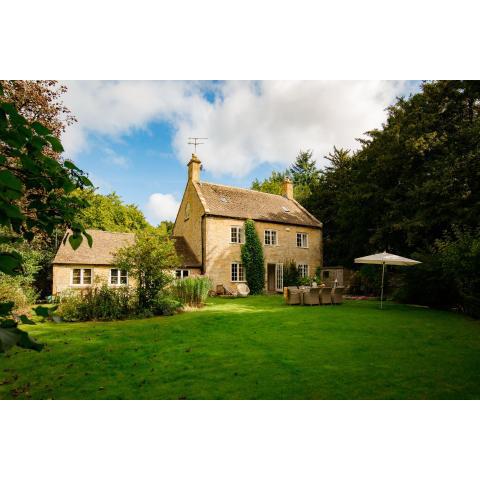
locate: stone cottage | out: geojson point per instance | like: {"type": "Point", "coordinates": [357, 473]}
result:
{"type": "Point", "coordinates": [211, 217]}
{"type": "Point", "coordinates": [86, 267]}
{"type": "Point", "coordinates": [208, 235]}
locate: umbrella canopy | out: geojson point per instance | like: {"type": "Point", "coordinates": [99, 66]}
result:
{"type": "Point", "coordinates": [383, 259]}
{"type": "Point", "coordinates": [387, 259]}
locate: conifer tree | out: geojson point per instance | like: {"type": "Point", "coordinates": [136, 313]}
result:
{"type": "Point", "coordinates": [252, 259]}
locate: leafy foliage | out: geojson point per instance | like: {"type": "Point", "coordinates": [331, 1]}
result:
{"type": "Point", "coordinates": [100, 303]}
{"type": "Point", "coordinates": [34, 194]}
{"type": "Point", "coordinates": [149, 260]}
{"type": "Point", "coordinates": [291, 276]}
{"type": "Point", "coordinates": [252, 259]}
{"type": "Point", "coordinates": [109, 213]}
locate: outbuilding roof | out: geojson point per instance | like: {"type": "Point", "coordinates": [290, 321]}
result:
{"type": "Point", "coordinates": [235, 202]}
{"type": "Point", "coordinates": [105, 244]}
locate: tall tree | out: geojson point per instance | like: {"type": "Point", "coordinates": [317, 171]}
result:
{"type": "Point", "coordinates": [253, 259]}
{"type": "Point", "coordinates": [34, 190]}
{"type": "Point", "coordinates": [109, 213]}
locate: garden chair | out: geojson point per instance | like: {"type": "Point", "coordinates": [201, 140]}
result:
{"type": "Point", "coordinates": [326, 296]}
{"type": "Point", "coordinates": [243, 290]}
{"type": "Point", "coordinates": [294, 296]}
{"type": "Point", "coordinates": [311, 296]}
{"type": "Point", "coordinates": [337, 295]}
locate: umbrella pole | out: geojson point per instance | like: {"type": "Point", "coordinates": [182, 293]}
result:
{"type": "Point", "coordinates": [381, 293]}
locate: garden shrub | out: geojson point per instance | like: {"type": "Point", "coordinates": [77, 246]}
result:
{"type": "Point", "coordinates": [252, 259]}
{"type": "Point", "coordinates": [191, 291]}
{"type": "Point", "coordinates": [291, 277]}
{"type": "Point", "coordinates": [166, 305]}
{"type": "Point", "coordinates": [448, 275]}
{"type": "Point", "coordinates": [101, 303]}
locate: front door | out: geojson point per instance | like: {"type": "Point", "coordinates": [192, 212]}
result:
{"type": "Point", "coordinates": [271, 286]}
{"type": "Point", "coordinates": [279, 277]}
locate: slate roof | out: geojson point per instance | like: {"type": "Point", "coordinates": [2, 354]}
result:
{"type": "Point", "coordinates": [101, 253]}
{"type": "Point", "coordinates": [106, 243]}
{"type": "Point", "coordinates": [234, 202]}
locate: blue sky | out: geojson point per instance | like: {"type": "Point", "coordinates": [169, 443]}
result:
{"type": "Point", "coordinates": [132, 137]}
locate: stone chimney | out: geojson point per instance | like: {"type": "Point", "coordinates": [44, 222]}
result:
{"type": "Point", "coordinates": [287, 188]}
{"type": "Point", "coordinates": [194, 166]}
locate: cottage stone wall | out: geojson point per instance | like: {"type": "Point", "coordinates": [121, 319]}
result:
{"type": "Point", "coordinates": [62, 277]}
{"type": "Point", "coordinates": [190, 228]}
{"type": "Point", "coordinates": [220, 253]}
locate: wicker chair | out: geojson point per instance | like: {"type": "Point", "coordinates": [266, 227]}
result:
{"type": "Point", "coordinates": [294, 296]}
{"type": "Point", "coordinates": [326, 296]}
{"type": "Point", "coordinates": [337, 295]}
{"type": "Point", "coordinates": [311, 297]}
{"type": "Point", "coordinates": [243, 290]}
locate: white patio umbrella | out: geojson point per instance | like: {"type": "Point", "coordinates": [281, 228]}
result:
{"type": "Point", "coordinates": [386, 259]}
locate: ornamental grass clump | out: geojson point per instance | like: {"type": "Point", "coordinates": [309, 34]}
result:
{"type": "Point", "coordinates": [191, 291]}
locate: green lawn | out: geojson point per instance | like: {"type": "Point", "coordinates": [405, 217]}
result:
{"type": "Point", "coordinates": [254, 348]}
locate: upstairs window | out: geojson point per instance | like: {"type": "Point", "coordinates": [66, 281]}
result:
{"type": "Point", "coordinates": [270, 237]}
{"type": "Point", "coordinates": [238, 274]}
{"type": "Point", "coordinates": [236, 235]}
{"type": "Point", "coordinates": [118, 277]}
{"type": "Point", "coordinates": [302, 270]}
{"type": "Point", "coordinates": [82, 276]}
{"type": "Point", "coordinates": [302, 240]}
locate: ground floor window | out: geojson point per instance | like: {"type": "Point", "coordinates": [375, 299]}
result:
{"type": "Point", "coordinates": [81, 276]}
{"type": "Point", "coordinates": [118, 277]}
{"type": "Point", "coordinates": [181, 273]}
{"type": "Point", "coordinates": [303, 270]}
{"type": "Point", "coordinates": [238, 274]}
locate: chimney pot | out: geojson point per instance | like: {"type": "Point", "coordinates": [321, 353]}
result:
{"type": "Point", "coordinates": [194, 166]}
{"type": "Point", "coordinates": [287, 189]}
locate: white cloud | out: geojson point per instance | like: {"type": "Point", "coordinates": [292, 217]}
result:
{"type": "Point", "coordinates": [249, 122]}
{"type": "Point", "coordinates": [161, 206]}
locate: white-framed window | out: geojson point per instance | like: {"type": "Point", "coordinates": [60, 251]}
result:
{"type": "Point", "coordinates": [182, 273]}
{"type": "Point", "coordinates": [302, 270]}
{"type": "Point", "coordinates": [236, 234]}
{"type": "Point", "coordinates": [270, 237]}
{"type": "Point", "coordinates": [81, 276]}
{"type": "Point", "coordinates": [118, 277]}
{"type": "Point", "coordinates": [302, 240]}
{"type": "Point", "coordinates": [238, 273]}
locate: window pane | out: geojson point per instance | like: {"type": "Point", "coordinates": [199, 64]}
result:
{"type": "Point", "coordinates": [123, 277]}
{"type": "Point", "coordinates": [87, 276]}
{"type": "Point", "coordinates": [114, 276]}
{"type": "Point", "coordinates": [274, 237]}
{"type": "Point", "coordinates": [240, 235]}
{"type": "Point", "coordinates": [234, 234]}
{"type": "Point", "coordinates": [234, 272]}
{"type": "Point", "coordinates": [178, 273]}
{"type": "Point", "coordinates": [76, 276]}
{"type": "Point", "coordinates": [241, 275]}
{"type": "Point", "coordinates": [185, 273]}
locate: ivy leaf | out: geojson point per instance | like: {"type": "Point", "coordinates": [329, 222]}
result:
{"type": "Point", "coordinates": [10, 262]}
{"type": "Point", "coordinates": [55, 143]}
{"type": "Point", "coordinates": [75, 240]}
{"type": "Point", "coordinates": [40, 129]}
{"type": "Point", "coordinates": [26, 321]}
{"type": "Point", "coordinates": [89, 239]}
{"type": "Point", "coordinates": [9, 180]}
{"type": "Point", "coordinates": [5, 308]}
{"type": "Point", "coordinates": [41, 311]}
